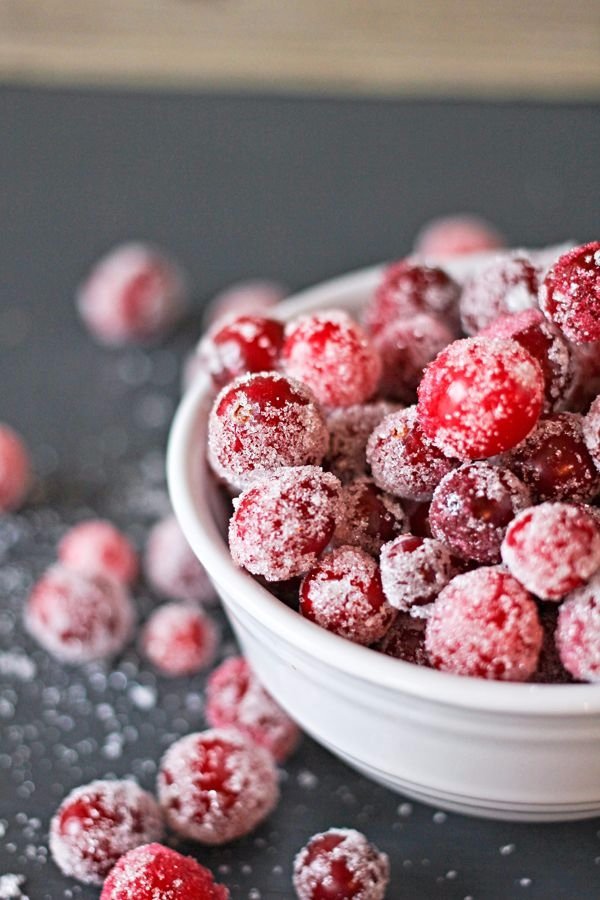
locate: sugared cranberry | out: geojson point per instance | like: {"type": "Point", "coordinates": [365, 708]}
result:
{"type": "Point", "coordinates": [235, 698]}
{"type": "Point", "coordinates": [586, 381]}
{"type": "Point", "coordinates": [261, 422]}
{"type": "Point", "coordinates": [414, 570]}
{"type": "Point", "coordinates": [406, 346]}
{"type": "Point", "coordinates": [98, 822]}
{"type": "Point", "coordinates": [552, 548]}
{"type": "Point", "coordinates": [179, 639]}
{"type": "Point", "coordinates": [134, 293]}
{"type": "Point", "coordinates": [554, 461]}
{"type": "Point", "coordinates": [216, 785]}
{"type": "Point", "coordinates": [546, 344]}
{"type": "Point", "coordinates": [15, 470]}
{"type": "Point", "coordinates": [240, 345]}
{"type": "Point", "coordinates": [472, 507]}
{"type": "Point", "coordinates": [97, 547]}
{"type": "Point", "coordinates": [570, 294]}
{"type": "Point", "coordinates": [508, 285]}
{"type": "Point", "coordinates": [340, 864]}
{"type": "Point", "coordinates": [591, 432]}
{"type": "Point", "coordinates": [331, 354]}
{"type": "Point", "coordinates": [282, 524]}
{"type": "Point", "coordinates": [456, 236]}
{"type": "Point", "coordinates": [480, 397]}
{"type": "Point", "coordinates": [578, 632]}
{"type": "Point", "coordinates": [343, 594]}
{"type": "Point", "coordinates": [245, 298]}
{"type": "Point", "coordinates": [550, 669]}
{"type": "Point", "coordinates": [402, 458]}
{"type": "Point", "coordinates": [409, 287]}
{"type": "Point", "coordinates": [155, 872]}
{"type": "Point", "coordinates": [405, 640]}
{"type": "Point", "coordinates": [368, 516]}
{"type": "Point", "coordinates": [78, 618]}
{"type": "Point", "coordinates": [171, 567]}
{"type": "Point", "coordinates": [485, 624]}
{"type": "Point", "coordinates": [349, 430]}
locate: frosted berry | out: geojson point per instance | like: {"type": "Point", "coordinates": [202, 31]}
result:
{"type": "Point", "coordinates": [405, 640]}
{"type": "Point", "coordinates": [480, 397]}
{"type": "Point", "coordinates": [349, 430]}
{"type": "Point", "coordinates": [133, 294]}
{"type": "Point", "coordinates": [409, 287]}
{"type": "Point", "coordinates": [578, 632]}
{"type": "Point", "coordinates": [591, 432]}
{"type": "Point", "coordinates": [414, 570]}
{"type": "Point", "coordinates": [550, 669]}
{"type": "Point", "coordinates": [485, 624]}
{"type": "Point", "coordinates": [262, 422]}
{"type": "Point", "coordinates": [570, 294]}
{"type": "Point", "coordinates": [472, 508]}
{"type": "Point", "coordinates": [171, 567]}
{"type": "Point", "coordinates": [179, 639]}
{"type": "Point", "coordinates": [97, 547]}
{"type": "Point", "coordinates": [406, 346]}
{"type": "Point", "coordinates": [282, 524]}
{"type": "Point", "coordinates": [99, 822]}
{"type": "Point", "coordinates": [240, 345]}
{"type": "Point", "coordinates": [78, 618]}
{"type": "Point", "coordinates": [403, 460]}
{"type": "Point", "coordinates": [508, 285]}
{"type": "Point", "coordinates": [457, 235]}
{"type": "Point", "coordinates": [156, 872]}
{"type": "Point", "coordinates": [343, 594]}
{"type": "Point", "coordinates": [216, 785]}
{"type": "Point", "coordinates": [331, 354]}
{"type": "Point", "coordinates": [235, 698]}
{"type": "Point", "coordinates": [340, 864]}
{"type": "Point", "coordinates": [368, 517]}
{"type": "Point", "coordinates": [552, 549]}
{"type": "Point", "coordinates": [243, 298]}
{"type": "Point", "coordinates": [15, 470]}
{"type": "Point", "coordinates": [586, 382]}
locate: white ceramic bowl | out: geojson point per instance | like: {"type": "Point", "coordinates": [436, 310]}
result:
{"type": "Point", "coordinates": [500, 750]}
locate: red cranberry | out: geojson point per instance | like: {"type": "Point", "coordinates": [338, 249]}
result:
{"type": "Point", "coordinates": [155, 871]}
{"type": "Point", "coordinates": [96, 547]}
{"type": "Point", "coordinates": [349, 431]}
{"type": "Point", "coordinates": [409, 287]}
{"type": "Point", "coordinates": [485, 624]}
{"type": "Point", "coordinates": [340, 864]}
{"type": "Point", "coordinates": [98, 822]}
{"type": "Point", "coordinates": [406, 346]}
{"type": "Point", "coordinates": [368, 516]}
{"type": "Point", "coordinates": [508, 285]}
{"type": "Point", "coordinates": [414, 570]}
{"type": "Point", "coordinates": [179, 639]}
{"type": "Point", "coordinates": [405, 640]}
{"type": "Point", "coordinates": [244, 344]}
{"type": "Point", "coordinates": [570, 294]}
{"type": "Point", "coordinates": [550, 669]}
{"type": "Point", "coordinates": [578, 632]}
{"type": "Point", "coordinates": [216, 785]}
{"type": "Point", "coordinates": [591, 432]}
{"type": "Point", "coordinates": [480, 397]}
{"type": "Point", "coordinates": [171, 567]}
{"type": "Point", "coordinates": [245, 298]}
{"type": "Point", "coordinates": [456, 236]}
{"type": "Point", "coordinates": [15, 470]}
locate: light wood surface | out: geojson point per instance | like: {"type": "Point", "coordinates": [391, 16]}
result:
{"type": "Point", "coordinates": [512, 48]}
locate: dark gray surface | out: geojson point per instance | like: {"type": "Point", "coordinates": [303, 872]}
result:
{"type": "Point", "coordinates": [297, 189]}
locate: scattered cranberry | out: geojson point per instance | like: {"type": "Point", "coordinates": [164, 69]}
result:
{"type": "Point", "coordinates": [281, 525]}
{"type": "Point", "coordinates": [405, 640]}
{"type": "Point", "coordinates": [245, 298]}
{"type": "Point", "coordinates": [508, 285]}
{"type": "Point", "coordinates": [240, 345]}
{"type": "Point", "coordinates": [216, 785]}
{"type": "Point", "coordinates": [343, 594]}
{"type": "Point", "coordinates": [368, 516]}
{"type": "Point", "coordinates": [235, 698]}
{"type": "Point", "coordinates": [402, 458]}
{"type": "Point", "coordinates": [550, 669]}
{"type": "Point", "coordinates": [155, 872]}
{"type": "Point", "coordinates": [171, 566]}
{"type": "Point", "coordinates": [552, 548]}
{"type": "Point", "coordinates": [485, 624]}
{"type": "Point", "coordinates": [472, 508]}
{"type": "Point", "coordinates": [262, 422]}
{"type": "Point", "coordinates": [179, 639]}
{"type": "Point", "coordinates": [331, 354]}
{"type": "Point", "coordinates": [78, 618]}
{"type": "Point", "coordinates": [15, 470]}
{"type": "Point", "coordinates": [349, 430]}
{"type": "Point", "coordinates": [409, 287]}
{"type": "Point", "coordinates": [414, 570]}
{"type": "Point", "coordinates": [456, 236]}
{"type": "Point", "coordinates": [570, 294]}
{"type": "Point", "coordinates": [134, 293]}
{"type": "Point", "coordinates": [340, 864]}
{"type": "Point", "coordinates": [591, 432]}
{"type": "Point", "coordinates": [578, 632]}
{"type": "Point", "coordinates": [480, 397]}
{"type": "Point", "coordinates": [97, 547]}
{"type": "Point", "coordinates": [98, 822]}
{"type": "Point", "coordinates": [406, 346]}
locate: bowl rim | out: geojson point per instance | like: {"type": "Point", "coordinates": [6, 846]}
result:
{"type": "Point", "coordinates": [198, 524]}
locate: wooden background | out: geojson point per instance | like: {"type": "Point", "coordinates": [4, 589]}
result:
{"type": "Point", "coordinates": [511, 48]}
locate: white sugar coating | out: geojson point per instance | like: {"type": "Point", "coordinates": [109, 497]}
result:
{"type": "Point", "coordinates": [403, 460]}
{"type": "Point", "coordinates": [227, 355]}
{"type": "Point", "coordinates": [171, 566]}
{"type": "Point", "coordinates": [591, 431]}
{"type": "Point", "coordinates": [248, 438]}
{"type": "Point", "coordinates": [508, 285]}
{"type": "Point", "coordinates": [368, 517]}
{"type": "Point", "coordinates": [570, 293]}
{"type": "Point", "coordinates": [10, 887]}
{"type": "Point", "coordinates": [368, 867]}
{"type": "Point", "coordinates": [78, 618]}
{"type": "Point", "coordinates": [180, 639]}
{"type": "Point", "coordinates": [108, 819]}
{"type": "Point", "coordinates": [216, 785]}
{"type": "Point", "coordinates": [552, 548]}
{"type": "Point", "coordinates": [349, 430]}
{"type": "Point", "coordinates": [97, 547]}
{"type": "Point", "coordinates": [281, 525]}
{"type": "Point", "coordinates": [415, 575]}
{"type": "Point", "coordinates": [577, 632]}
